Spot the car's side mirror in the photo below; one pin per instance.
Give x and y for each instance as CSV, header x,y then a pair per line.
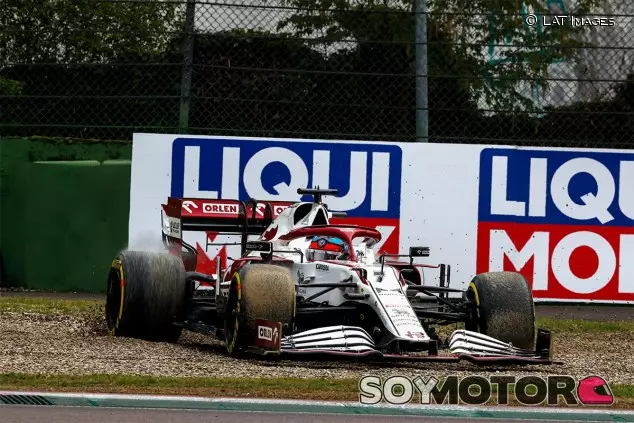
x,y
263,247
419,251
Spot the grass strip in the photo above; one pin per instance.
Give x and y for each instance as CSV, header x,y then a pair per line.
x,y
288,388
50,306
584,326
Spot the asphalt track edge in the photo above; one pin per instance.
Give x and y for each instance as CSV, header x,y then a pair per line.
x,y
311,407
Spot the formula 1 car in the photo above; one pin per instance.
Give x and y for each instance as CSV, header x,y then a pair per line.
x,y
304,287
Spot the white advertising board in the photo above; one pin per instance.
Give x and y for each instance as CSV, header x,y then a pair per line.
x,y
564,218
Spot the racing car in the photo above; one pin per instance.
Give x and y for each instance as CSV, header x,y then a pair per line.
x,y
305,286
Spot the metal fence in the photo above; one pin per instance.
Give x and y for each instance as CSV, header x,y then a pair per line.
x,y
539,72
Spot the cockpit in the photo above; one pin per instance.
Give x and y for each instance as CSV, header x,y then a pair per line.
x,y
335,248
319,242
327,248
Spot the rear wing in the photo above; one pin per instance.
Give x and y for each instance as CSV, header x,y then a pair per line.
x,y
225,216
220,216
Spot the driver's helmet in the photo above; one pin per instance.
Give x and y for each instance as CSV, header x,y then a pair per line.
x,y
327,248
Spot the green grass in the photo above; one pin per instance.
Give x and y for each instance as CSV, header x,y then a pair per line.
x,y
584,326
49,306
335,389
623,391
97,380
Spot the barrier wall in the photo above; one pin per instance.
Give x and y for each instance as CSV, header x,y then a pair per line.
x,y
562,217
64,211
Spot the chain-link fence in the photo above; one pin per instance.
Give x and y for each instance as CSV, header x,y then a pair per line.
x,y
538,72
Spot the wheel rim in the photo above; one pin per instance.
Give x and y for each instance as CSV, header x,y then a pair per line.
x,y
473,324
113,299
231,316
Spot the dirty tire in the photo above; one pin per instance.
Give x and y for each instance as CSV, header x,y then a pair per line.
x,y
145,294
503,308
260,291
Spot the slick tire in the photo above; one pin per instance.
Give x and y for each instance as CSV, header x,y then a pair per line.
x,y
257,291
145,296
503,308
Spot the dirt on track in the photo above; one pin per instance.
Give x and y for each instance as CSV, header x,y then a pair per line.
x,y
73,346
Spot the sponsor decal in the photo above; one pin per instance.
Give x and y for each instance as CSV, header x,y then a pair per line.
x,y
419,251
322,267
259,246
221,208
268,334
388,293
479,390
564,219
392,299
400,313
189,206
261,210
171,225
265,333
367,176
418,335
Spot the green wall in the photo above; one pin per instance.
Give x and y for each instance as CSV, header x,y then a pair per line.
x,y
63,212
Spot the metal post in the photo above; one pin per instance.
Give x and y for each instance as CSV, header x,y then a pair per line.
x,y
188,56
422,117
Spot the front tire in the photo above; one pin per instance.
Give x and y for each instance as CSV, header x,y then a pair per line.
x,y
145,296
503,308
258,291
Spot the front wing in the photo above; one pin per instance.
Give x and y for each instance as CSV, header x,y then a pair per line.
x,y
355,343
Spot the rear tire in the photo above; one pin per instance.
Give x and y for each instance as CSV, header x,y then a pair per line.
x,y
258,291
145,296
503,308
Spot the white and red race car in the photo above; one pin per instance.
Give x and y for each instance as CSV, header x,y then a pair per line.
x,y
306,287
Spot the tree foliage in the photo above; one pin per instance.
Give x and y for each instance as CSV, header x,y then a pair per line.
x,y
85,31
460,33
77,67
340,69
